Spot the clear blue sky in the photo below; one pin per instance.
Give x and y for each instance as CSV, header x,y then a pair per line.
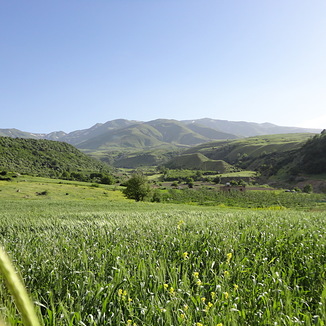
x,y
68,64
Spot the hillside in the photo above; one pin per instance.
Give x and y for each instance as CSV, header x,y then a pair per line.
x,y
129,140
45,158
312,156
134,136
247,151
198,162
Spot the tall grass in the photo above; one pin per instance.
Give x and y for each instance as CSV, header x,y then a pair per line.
x,y
17,290
159,264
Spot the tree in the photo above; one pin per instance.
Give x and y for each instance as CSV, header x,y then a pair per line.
x,y
107,179
308,189
137,187
190,182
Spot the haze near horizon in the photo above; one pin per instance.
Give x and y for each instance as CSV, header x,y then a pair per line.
x,y
68,65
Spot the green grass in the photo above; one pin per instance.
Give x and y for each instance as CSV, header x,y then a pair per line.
x,y
26,188
240,174
111,261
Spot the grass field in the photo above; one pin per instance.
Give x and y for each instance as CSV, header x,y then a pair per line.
x,y
90,257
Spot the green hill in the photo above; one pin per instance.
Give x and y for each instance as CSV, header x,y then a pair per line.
x,y
45,158
135,136
247,151
198,161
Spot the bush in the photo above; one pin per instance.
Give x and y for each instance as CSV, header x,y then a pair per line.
x,y
108,180
156,197
137,187
308,189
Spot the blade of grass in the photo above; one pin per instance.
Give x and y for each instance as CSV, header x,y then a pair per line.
x,y
18,291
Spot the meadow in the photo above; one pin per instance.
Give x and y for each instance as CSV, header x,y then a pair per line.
x,y
88,256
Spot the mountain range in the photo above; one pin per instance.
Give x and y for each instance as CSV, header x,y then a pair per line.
x,y
160,133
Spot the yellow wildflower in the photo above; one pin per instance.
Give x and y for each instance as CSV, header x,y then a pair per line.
x,y
226,273
185,307
171,290
185,255
196,274
122,293
182,316
199,282
165,286
199,324
219,324
179,224
213,295
226,295
228,257
208,306
235,287
203,299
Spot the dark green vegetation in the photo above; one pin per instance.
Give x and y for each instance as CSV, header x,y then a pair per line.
x,y
94,258
312,156
49,158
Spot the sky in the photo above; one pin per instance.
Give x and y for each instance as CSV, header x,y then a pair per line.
x,y
69,64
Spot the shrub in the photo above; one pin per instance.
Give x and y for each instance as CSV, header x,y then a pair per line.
x,y
137,187
308,189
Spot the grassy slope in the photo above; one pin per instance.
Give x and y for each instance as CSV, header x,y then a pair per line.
x,y
106,260
252,146
198,161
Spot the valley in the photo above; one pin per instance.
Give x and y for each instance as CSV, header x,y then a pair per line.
x,y
225,232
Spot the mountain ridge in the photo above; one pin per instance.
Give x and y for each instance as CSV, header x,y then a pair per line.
x,y
159,132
